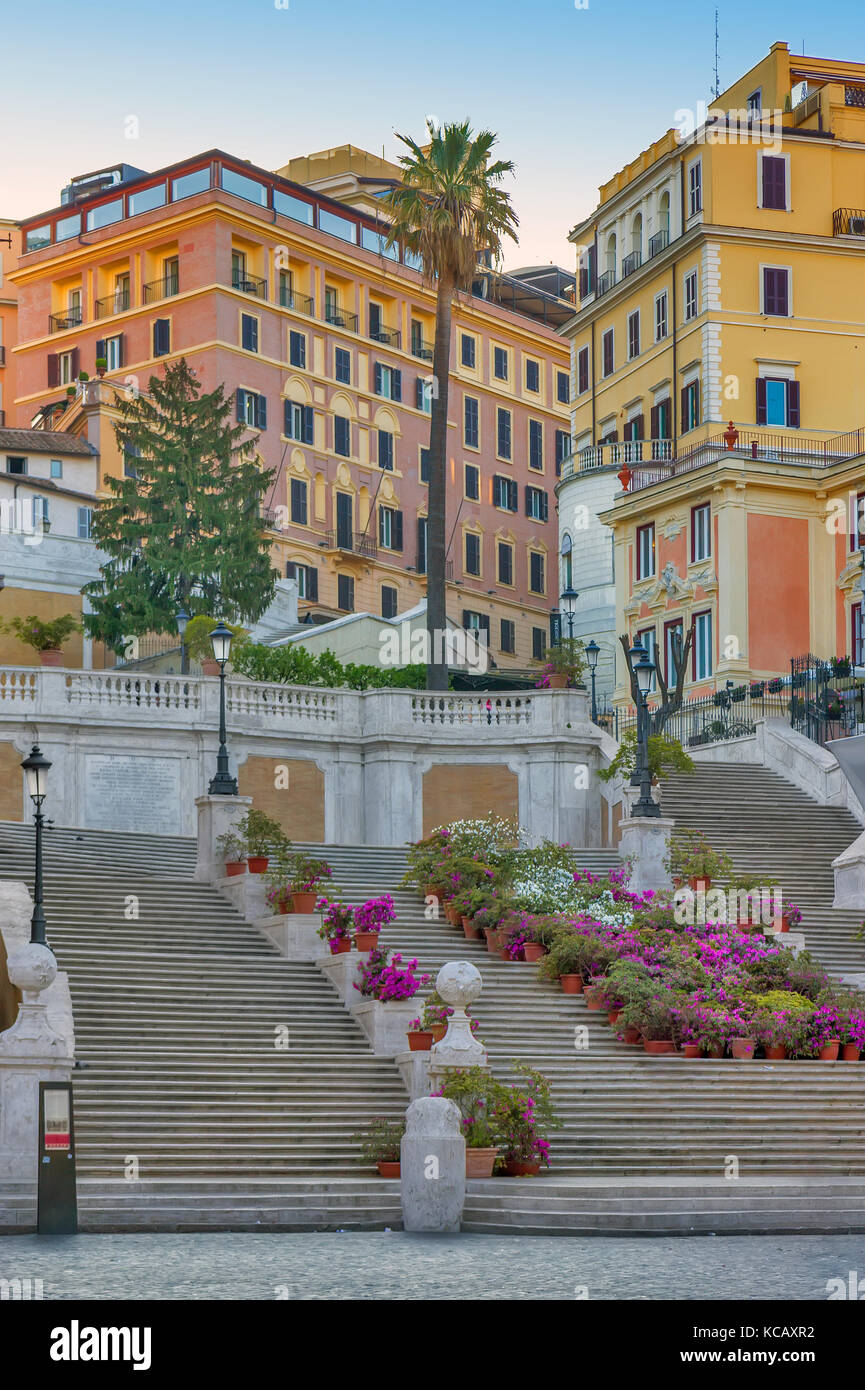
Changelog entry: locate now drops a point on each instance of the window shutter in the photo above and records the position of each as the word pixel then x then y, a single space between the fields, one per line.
pixel 513 495
pixel 466 616
pixel 377 378
pixel 312 583
pixel 528 500
pixel 290 569
pixel 261 412
pixel 396 384
pixel 793 404
pixel 545 507
pixel 418 391
pixel 696 386
pixel 761 400
pixel 53 369
pixel 381 512
pixel 781 292
pixel 654 418
pixel 100 347
pixel 684 410
pixel 421 544
pixel 241 405
pixel 396 525
pixel 286 418
pixel 76 362
pixel 308 424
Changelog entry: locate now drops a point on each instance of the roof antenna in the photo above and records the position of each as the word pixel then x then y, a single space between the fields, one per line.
pixel 717 91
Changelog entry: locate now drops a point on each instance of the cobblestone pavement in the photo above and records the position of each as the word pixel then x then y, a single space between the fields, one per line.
pixel 393 1265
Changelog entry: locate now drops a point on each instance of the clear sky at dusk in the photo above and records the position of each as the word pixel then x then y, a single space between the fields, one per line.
pixel 573 93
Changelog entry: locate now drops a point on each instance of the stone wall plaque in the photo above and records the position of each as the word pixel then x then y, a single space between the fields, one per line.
pixel 131 792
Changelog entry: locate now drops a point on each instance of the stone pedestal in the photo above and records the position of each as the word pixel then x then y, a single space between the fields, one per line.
pixel 849 869
pixel 342 971
pixel 414 1069
pixel 217 815
pixel 433 1167
pixel 385 1024
pixel 294 934
pixel 247 894
pixel 646 840
pixel 459 983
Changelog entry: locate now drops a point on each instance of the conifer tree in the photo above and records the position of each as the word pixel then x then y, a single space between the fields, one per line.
pixel 185 530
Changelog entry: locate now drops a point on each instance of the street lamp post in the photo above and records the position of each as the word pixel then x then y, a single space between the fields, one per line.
pixel 593 651
pixel 644 669
pixel 223 784
pixel 568 600
pixel 36 771
pixel 182 620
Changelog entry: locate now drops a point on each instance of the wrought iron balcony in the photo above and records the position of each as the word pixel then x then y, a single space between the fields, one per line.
pixel 351 543
pixel 300 303
pixel 340 318
pixel 658 243
pixel 391 336
pixel 848 222
pixel 70 318
pixel 631 263
pixel 605 283
pixel 249 284
pixel 421 347
pixel 116 303
pixel 161 289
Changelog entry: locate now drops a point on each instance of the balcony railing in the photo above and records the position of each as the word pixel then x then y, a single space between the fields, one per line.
pixel 249 284
pixel 391 336
pixel 421 347
pixel 161 289
pixel 658 243
pixel 848 222
pixel 70 318
pixel 116 303
pixel 340 318
pixel 605 283
pixel 631 263
pixel 300 303
pixel 352 543
pixel 854 96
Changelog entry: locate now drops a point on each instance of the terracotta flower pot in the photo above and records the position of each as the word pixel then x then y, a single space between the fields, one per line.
pixel 829 1053
pixel 776 1053
pixel 850 1052
pixel 659 1047
pixel 340 947
pixel 480 1162
pixel 453 916
pixel 613 1015
pixel 388 1169
pixel 505 955
pixel 492 936
pixel 51 657
pixel 419 1040
pixel 366 940
pixel 257 863
pixel 632 1036
pixel 283 905
pixel 691 1049
pixel 593 998
pixel 701 884
pixel 234 867
pixel 209 666
pixel 533 950
pixel 429 891
pixel 305 902
pixel 521 1168
pixel 470 931
pixel 785 924
pixel 571 984
pixel 743 1048
pixel 557 680
pixel 438 1031
pixel 716 1050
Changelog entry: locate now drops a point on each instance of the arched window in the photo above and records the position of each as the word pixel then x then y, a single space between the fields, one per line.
pixel 664 213
pixel 637 237
pixel 611 254
pixel 567 562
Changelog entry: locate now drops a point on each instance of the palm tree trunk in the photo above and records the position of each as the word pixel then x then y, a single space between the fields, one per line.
pixel 436 594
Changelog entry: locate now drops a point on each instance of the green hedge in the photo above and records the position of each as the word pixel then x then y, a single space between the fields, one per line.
pixel 294 665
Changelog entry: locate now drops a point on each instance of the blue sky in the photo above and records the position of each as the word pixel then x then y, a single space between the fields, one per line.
pixel 573 93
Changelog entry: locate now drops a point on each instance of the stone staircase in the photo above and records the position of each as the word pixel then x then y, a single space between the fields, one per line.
pixel 767 824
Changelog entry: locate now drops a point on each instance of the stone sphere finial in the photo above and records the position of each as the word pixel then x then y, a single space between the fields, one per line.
pixel 459 983
pixel 32 967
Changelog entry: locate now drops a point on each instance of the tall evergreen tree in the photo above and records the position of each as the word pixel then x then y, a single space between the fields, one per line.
pixel 185 531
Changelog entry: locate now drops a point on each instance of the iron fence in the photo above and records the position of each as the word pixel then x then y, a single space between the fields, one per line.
pixel 826 697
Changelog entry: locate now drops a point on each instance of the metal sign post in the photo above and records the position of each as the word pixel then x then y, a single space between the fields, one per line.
pixel 58 1204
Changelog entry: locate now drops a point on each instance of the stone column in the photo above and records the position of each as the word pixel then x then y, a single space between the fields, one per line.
pixel 433 1167
pixel 646 839
pixel 217 815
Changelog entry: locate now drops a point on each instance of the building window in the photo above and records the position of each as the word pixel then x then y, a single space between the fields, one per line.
pixel 508 636
pixel 500 364
pixel 424 393
pixel 345 593
pixel 533 375
pixel 387 382
pixel 39 511
pixel 567 562
pixel 773 178
pixel 778 402
pixel 646 639
pixel 297 349
pixel 633 429
pixel 472 482
pixel 608 354
pixel 646 551
pixel 701 532
pixel 389 598
pixel 473 554
pixel 112 351
pixel 299 422
pixel 702 646
pixel 539 643
pixel 690 295
pixel 342 436
pixel 467 350
pixel 537 584
pixel 471 423
pixel 56 468
pixel 505 493
pixel 670 631
pixel 563 388
pixel 563 449
pixel 85 523
pixel 161 337
pixel 660 316
pixel 306 578
pixel 298 500
pixel 251 409
pixel 130 454
pixel 505 567
pixel 537 504
pixel 249 332
pixel 536 444
pixel 695 188
pixel 424 465
pixel 776 291
pixel 390 528
pixel 582 370
pixel 690 406
pixel 422 525
pixel 661 420
pixel 857 634
pixel 342 365
pixel 375 320
pixel 634 334
pixel 755 102
pixel 385 450
pixel 66 368
pixel 503 433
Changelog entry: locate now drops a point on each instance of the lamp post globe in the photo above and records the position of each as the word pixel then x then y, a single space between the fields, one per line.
pixel 593 651
pixel 568 600
pixel 223 784
pixel 36 767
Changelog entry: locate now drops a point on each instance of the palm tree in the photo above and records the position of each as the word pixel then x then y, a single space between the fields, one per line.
pixel 448 210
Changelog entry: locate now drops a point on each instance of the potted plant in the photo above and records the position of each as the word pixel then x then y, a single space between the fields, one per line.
pixel 46 638
pixel 479 1098
pixel 775 685
pixel 564 665
pixel 756 889
pixel 695 862
pixel 233 850
pixel 565 961
pixel 335 925
pixel 306 874
pixel 101 366
pixel 369 919
pixel 791 917
pixel 380 1144
pixel 277 877
pixel 420 1039
pixel 261 834
pixel 385 978
pixel 524 1117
